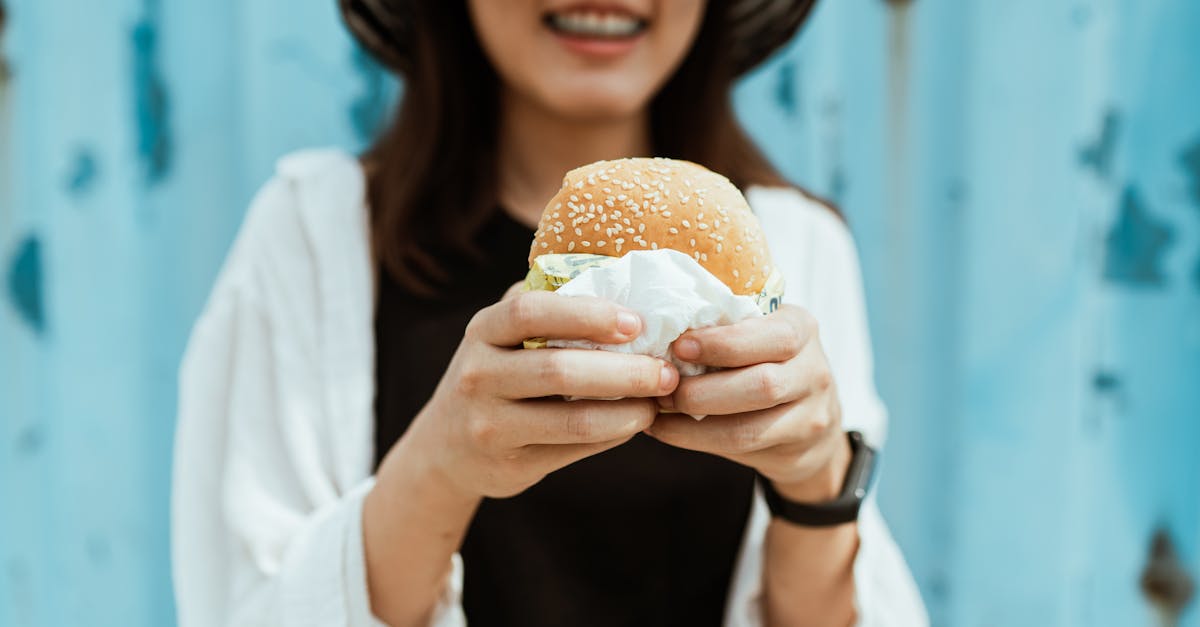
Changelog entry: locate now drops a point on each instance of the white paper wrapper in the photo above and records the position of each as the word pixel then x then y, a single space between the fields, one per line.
pixel 671 292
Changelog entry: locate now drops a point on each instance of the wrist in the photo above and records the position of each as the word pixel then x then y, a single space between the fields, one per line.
pixel 826 483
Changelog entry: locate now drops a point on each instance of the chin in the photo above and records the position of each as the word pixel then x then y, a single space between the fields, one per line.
pixel 596 103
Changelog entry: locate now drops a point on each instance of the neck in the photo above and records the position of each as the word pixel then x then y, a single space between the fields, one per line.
pixel 537 148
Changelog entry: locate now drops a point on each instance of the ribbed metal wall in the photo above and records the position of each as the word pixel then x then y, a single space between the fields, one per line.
pixel 1023 179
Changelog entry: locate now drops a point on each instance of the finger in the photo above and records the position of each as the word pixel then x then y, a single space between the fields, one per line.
pixel 556 456
pixel 513 290
pixel 544 314
pixel 548 421
pixel 583 373
pixel 737 434
pixel 773 338
pixel 744 389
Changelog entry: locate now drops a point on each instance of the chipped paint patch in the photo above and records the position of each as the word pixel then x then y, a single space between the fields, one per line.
pixel 369 109
pixel 151 100
pixel 1190 158
pixel 25 283
pixel 31 440
pixel 1098 156
pixel 84 172
pixel 785 89
pixel 1135 244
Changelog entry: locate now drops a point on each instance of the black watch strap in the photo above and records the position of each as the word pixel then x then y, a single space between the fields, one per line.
pixel 844 509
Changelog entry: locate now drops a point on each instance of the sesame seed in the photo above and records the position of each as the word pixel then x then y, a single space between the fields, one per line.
pixel 703 226
pixel 609 202
pixel 642 228
pixel 620 240
pixel 696 255
pixel 586 243
pixel 587 195
pixel 687 225
pixel 735 272
pixel 674 231
pixel 700 216
pixel 618 247
pixel 629 230
pixel 718 247
pixel 558 238
pixel 749 283
pixel 545 245
pixel 600 244
pixel 693 242
pixel 596 226
pixel 604 217
pixel 738 248
pixel 653 245
pixel 666 214
pixel 641 241
pixel 571 246
pixel 703 256
pixel 578 231
pixel 574 198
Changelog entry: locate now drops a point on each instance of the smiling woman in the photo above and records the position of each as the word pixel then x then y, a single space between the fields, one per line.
pixel 365 321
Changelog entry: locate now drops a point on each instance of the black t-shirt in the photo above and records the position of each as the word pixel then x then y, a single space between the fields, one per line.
pixel 643 534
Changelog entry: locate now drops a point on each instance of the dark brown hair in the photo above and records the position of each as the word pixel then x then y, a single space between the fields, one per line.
pixel 431 177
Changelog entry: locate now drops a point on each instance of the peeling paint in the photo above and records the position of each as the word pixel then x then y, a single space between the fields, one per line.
pixel 1190 158
pixel 1098 156
pixel 4 69
pixel 369 109
pixel 1105 382
pixel 31 440
pixel 1135 244
pixel 25 283
pixel 151 101
pixel 84 172
pixel 785 89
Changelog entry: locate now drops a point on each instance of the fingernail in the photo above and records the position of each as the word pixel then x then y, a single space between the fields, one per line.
pixel 628 323
pixel 666 402
pixel 687 348
pixel 666 378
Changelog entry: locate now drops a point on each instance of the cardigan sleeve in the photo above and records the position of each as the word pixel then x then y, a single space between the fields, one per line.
pixel 263 532
pixel 818 258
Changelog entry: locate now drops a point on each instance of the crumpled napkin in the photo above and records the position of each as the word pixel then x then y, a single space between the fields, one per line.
pixel 671 291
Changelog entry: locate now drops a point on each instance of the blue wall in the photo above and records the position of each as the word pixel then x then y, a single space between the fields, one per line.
pixel 1023 179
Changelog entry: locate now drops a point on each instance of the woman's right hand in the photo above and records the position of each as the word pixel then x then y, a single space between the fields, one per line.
pixel 497 423
pixel 494 427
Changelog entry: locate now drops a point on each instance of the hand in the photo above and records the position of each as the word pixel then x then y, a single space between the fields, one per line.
pixel 497 423
pixel 774 407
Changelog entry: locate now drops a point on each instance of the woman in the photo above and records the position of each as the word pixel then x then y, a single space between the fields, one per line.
pixel 361 327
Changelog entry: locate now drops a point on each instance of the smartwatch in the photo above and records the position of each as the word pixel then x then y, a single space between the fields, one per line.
pixel 841 510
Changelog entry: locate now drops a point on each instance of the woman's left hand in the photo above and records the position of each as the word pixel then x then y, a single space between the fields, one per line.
pixel 773 407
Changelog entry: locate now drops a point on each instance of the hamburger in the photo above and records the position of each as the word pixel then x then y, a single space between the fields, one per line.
pixel 648 206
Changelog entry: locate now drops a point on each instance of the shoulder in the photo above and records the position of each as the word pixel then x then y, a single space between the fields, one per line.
pixel 795 212
pixel 311 210
pixel 806 235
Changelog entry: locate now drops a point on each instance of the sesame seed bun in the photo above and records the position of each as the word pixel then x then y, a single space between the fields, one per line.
pixel 614 207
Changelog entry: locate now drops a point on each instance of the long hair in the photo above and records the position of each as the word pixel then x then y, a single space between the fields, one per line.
pixel 431 177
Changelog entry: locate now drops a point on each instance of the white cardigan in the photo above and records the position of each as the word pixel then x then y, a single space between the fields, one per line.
pixel 274 447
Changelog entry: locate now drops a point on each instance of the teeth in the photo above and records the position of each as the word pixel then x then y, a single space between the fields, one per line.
pixel 596 24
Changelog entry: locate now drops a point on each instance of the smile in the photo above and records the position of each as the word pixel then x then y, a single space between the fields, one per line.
pixel 597 24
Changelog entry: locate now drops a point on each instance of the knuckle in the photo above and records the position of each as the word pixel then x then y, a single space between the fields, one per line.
pixel 475 324
pixel 771 385
pixel 580 422
pixel 788 338
pixel 521 311
pixel 822 379
pixel 555 372
pixel 743 436
pixel 471 380
pixel 482 431
pixel 644 378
